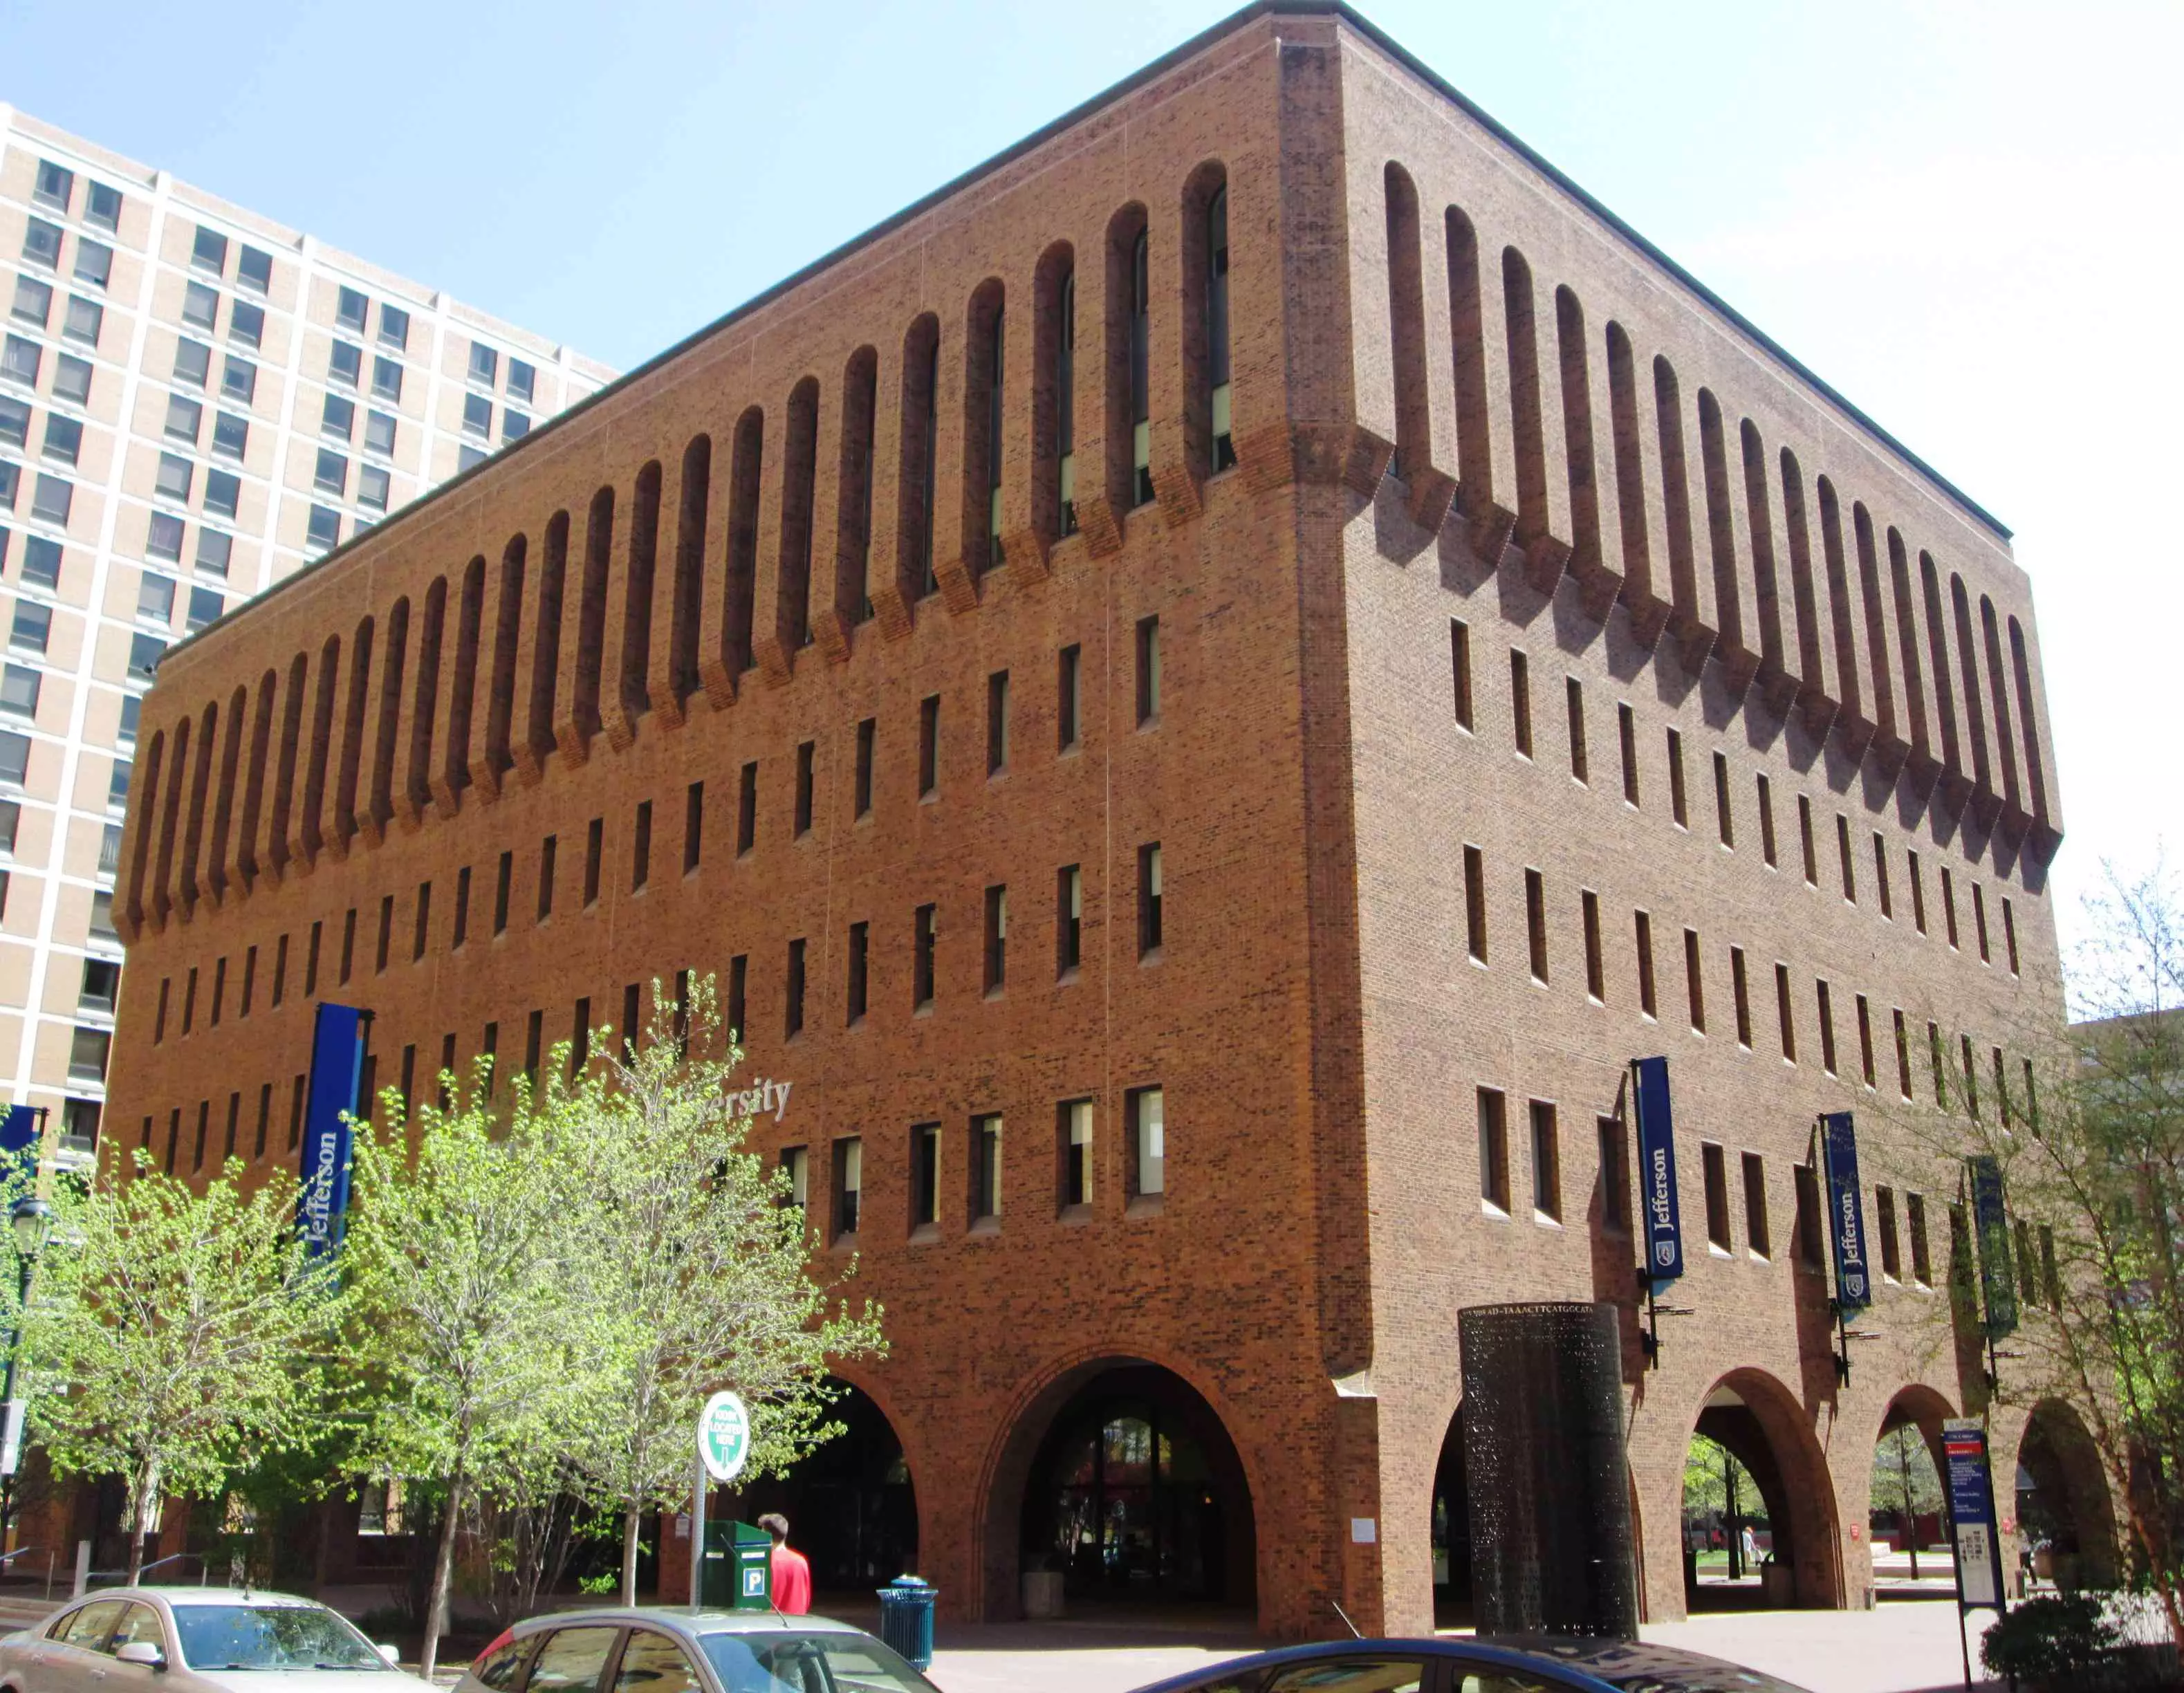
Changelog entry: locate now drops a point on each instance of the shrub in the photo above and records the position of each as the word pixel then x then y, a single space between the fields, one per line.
pixel 2064 1643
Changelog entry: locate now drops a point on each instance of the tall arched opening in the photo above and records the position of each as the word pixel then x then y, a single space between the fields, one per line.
pixel 1753 1418
pixel 1450 1532
pixel 2065 1517
pixel 1121 1478
pixel 1908 1519
pixel 851 1504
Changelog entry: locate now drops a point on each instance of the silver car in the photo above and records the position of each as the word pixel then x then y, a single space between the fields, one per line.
pixel 663 1649
pixel 197 1639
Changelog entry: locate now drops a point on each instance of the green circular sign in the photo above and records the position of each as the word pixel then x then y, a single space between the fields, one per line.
pixel 724 1437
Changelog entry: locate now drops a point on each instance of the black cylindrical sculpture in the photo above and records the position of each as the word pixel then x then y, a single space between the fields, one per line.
pixel 1544 1461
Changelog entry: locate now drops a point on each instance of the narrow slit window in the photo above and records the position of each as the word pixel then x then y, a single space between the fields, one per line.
pixel 1217 329
pixel 924 1177
pixel 1881 890
pixel 1865 1065
pixel 2009 934
pixel 459 933
pixel 929 746
pixel 747 807
pixel 859 973
pixel 1891 1249
pixel 1978 921
pixel 807 763
pixel 1695 981
pixel 1767 822
pixel 1805 835
pixel 1922 1261
pixel 1068 919
pixel 1646 1002
pixel 997 939
pixel 1678 806
pixel 1546 1163
pixel 640 847
pixel 1536 923
pixel 867 731
pixel 922 960
pixel 1714 1163
pixel 1474 903
pixel 1459 664
pixel 1785 1015
pixel 1149 671
pixel 1614 1175
pixel 1825 1003
pixel 1757 1235
pixel 1626 731
pixel 1075 1149
pixel 1149 899
pixel 997 723
pixel 693 827
pixel 1494 1149
pixel 1741 987
pixel 739 1004
pixel 421 933
pixel 1724 818
pixel 986 1169
pixel 1069 701
pixel 1848 863
pixel 595 846
pixel 1595 972
pixel 1147 1117
pixel 1576 693
pixel 1918 892
pixel 1520 701
pixel 1949 905
pixel 1939 1063
pixel 546 878
pixel 1903 1057
pixel 792 1020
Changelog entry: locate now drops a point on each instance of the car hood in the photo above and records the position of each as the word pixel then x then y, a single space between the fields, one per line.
pixel 308 1680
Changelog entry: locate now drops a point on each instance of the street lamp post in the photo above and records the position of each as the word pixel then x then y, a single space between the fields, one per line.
pixel 32 1220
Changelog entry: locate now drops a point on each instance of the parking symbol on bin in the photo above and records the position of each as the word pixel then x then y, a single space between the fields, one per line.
pixel 754 1582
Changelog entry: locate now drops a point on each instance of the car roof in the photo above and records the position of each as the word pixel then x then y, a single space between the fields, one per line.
pixel 682 1619
pixel 180 1598
pixel 1479 1652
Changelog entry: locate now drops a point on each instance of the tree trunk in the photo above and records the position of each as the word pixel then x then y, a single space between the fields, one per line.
pixel 630 1520
pixel 138 1509
pixel 444 1569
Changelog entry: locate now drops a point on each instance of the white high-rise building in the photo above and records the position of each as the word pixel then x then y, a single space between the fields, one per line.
pixel 195 402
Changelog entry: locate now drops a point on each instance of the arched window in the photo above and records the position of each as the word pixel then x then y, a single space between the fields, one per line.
pixel 792 581
pixel 1065 398
pixel 738 608
pixel 1216 325
pixel 1141 331
pixel 986 352
pixel 853 524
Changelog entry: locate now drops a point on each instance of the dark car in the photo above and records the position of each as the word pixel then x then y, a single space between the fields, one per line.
pixel 1544 1665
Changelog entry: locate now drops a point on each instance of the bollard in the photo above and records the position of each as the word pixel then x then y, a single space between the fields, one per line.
pixel 82 1569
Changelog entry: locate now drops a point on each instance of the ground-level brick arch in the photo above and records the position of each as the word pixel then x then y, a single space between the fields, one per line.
pixel 1767 1430
pixel 2071 1502
pixel 1026 1421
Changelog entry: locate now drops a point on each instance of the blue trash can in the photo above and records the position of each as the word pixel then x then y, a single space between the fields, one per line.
pixel 906 1619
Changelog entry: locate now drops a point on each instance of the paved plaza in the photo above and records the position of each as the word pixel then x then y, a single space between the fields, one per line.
pixel 1905 1647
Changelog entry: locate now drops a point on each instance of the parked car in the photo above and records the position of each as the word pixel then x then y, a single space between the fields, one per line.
pixel 197 1639
pixel 1452 1665
pixel 661 1648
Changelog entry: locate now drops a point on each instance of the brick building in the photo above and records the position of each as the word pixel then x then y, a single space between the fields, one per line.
pixel 1202 690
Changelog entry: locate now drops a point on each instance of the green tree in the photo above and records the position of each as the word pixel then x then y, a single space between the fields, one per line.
pixel 177 1336
pixel 462 1256
pixel 698 1276
pixel 1905 1482
pixel 2090 1140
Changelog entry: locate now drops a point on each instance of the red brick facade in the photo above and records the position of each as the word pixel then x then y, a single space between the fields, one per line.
pixel 1468 408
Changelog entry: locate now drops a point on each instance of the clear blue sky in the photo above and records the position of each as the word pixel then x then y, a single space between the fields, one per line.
pixel 1965 216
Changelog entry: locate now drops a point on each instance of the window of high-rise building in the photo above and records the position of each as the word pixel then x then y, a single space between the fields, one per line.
pixel 215 551
pixel 522 381
pixel 338 417
pixel 185 419
pixel 19 686
pixel 63 438
pixel 52 498
pixel 72 379
pixel 246 323
pixel 102 207
pixel 324 529
pixel 192 363
pixel 386 379
pixel 349 309
pixel 254 270
pixel 332 473
pixel 514 425
pixel 379 432
pixel 155 598
pixel 174 477
pixel 53 185
pixel 223 492
pixel 14 421
pixel 393 327
pixel 238 379
pixel 201 307
pixel 94 263
pixel 208 251
pixel 345 363
pixel 33 303
pixel 230 435
pixel 20 359
pixel 477 416
pixel 163 539
pixel 84 320
pixel 485 363
pixel 41 243
pixel 206 606
pixel 374 487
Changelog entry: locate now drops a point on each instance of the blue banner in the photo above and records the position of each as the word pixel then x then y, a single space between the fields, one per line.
pixel 1663 1227
pixel 1991 1229
pixel 1845 1212
pixel 20 1134
pixel 1971 1512
pixel 337 1069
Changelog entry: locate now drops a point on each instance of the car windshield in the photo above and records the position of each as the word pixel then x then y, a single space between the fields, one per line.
pixel 271 1637
pixel 772 1662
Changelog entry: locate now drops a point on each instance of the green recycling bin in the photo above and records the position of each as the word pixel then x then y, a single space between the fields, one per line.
pixel 739 1567
pixel 906 1619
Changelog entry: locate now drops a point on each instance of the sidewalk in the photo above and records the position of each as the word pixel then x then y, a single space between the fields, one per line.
pixel 1900 1648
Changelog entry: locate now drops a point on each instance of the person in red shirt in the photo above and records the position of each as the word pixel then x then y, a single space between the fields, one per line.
pixel 792 1570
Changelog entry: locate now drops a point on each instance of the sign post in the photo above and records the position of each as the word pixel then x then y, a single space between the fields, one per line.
pixel 1660 1227
pixel 1978 1539
pixel 724 1445
pixel 1845 1229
